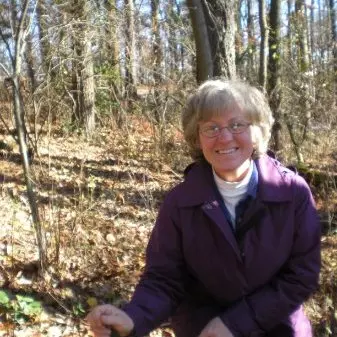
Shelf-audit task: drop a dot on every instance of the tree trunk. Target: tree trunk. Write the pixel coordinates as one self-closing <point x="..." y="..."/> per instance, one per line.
<point x="302" y="36"/>
<point x="274" y="79"/>
<point x="156" y="59"/>
<point x="290" y="30"/>
<point x="130" y="66"/>
<point x="213" y="24"/>
<point x="31" y="63"/>
<point x="251" y="47"/>
<point x="76" y="83"/>
<point x="41" y="13"/>
<point x="332" y="10"/>
<point x="87" y="75"/>
<point x="20" y="46"/>
<point x="239" y="38"/>
<point x="204" y="61"/>
<point x="110" y="40"/>
<point x="298" y="131"/>
<point x="111" y="50"/>
<point x="173" y="29"/>
<point x="156" y="43"/>
<point x="83" y="86"/>
<point x="310" y="29"/>
<point x="263" y="44"/>
<point x="220" y="19"/>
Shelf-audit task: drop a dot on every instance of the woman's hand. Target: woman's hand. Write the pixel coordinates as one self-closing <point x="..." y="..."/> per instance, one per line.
<point x="105" y="317"/>
<point x="215" y="328"/>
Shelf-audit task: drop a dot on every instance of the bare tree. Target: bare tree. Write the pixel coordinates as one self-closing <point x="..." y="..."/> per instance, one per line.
<point x="274" y="78"/>
<point x="173" y="28"/>
<point x="251" y="46"/>
<point x="41" y="21"/>
<point x="290" y="27"/>
<point x="263" y="44"/>
<point x="130" y="66"/>
<point x="110" y="37"/>
<point x="302" y="36"/>
<point x="156" y="42"/>
<point x="220" y="19"/>
<point x="21" y="24"/>
<point x="83" y="87"/>
<point x="213" y="23"/>
<point x="87" y="74"/>
<point x="333" y="18"/>
<point x="298" y="125"/>
<point x="156" y="56"/>
<point x="204" y="60"/>
<point x="240" y="50"/>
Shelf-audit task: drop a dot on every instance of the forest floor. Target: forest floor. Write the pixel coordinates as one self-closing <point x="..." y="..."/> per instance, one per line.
<point x="98" y="201"/>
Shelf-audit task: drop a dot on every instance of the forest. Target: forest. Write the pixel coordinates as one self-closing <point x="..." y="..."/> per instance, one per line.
<point x="91" y="93"/>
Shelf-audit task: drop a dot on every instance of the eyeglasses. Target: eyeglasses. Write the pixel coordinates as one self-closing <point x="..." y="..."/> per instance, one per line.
<point x="212" y="131"/>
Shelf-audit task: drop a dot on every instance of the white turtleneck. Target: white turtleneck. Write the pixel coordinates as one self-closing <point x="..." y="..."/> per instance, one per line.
<point x="233" y="192"/>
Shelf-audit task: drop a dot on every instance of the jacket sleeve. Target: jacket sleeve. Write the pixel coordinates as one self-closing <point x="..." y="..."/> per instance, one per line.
<point x="162" y="286"/>
<point x="262" y="310"/>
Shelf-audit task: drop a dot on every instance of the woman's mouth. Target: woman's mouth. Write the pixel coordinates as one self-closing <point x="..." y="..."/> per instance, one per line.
<point x="229" y="151"/>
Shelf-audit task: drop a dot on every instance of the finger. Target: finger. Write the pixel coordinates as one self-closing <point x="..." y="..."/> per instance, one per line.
<point x="105" y="334"/>
<point x="110" y="320"/>
<point x="94" y="317"/>
<point x="101" y="332"/>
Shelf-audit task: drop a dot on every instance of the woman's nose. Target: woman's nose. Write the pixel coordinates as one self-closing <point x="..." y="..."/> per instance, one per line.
<point x="225" y="134"/>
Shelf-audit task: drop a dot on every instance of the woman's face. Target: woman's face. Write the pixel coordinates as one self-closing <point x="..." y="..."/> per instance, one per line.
<point x="228" y="153"/>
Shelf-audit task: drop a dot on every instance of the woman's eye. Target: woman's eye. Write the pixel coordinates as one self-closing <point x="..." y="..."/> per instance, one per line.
<point x="237" y="125"/>
<point x="212" y="128"/>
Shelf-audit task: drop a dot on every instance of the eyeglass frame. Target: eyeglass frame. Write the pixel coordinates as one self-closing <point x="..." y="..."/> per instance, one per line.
<point x="228" y="127"/>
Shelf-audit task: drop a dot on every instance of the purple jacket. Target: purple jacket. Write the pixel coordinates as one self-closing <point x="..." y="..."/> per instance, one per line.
<point x="197" y="268"/>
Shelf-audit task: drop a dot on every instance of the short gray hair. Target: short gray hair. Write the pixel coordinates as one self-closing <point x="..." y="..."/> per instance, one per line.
<point x="215" y="97"/>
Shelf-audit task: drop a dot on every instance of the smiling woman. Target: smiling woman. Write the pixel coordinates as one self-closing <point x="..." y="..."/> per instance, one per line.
<point x="235" y="250"/>
<point x="217" y="98"/>
<point x="229" y="153"/>
<point x="220" y="106"/>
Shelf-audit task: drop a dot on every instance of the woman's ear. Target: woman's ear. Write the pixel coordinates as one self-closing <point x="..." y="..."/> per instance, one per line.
<point x="256" y="135"/>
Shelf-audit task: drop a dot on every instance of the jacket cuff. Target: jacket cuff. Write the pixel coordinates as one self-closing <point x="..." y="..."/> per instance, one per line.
<point x="137" y="317"/>
<point x="239" y="320"/>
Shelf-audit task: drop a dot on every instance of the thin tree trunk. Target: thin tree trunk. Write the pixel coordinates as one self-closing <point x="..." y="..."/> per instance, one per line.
<point x="333" y="18"/>
<point x="239" y="50"/>
<point x="302" y="39"/>
<point x="290" y="30"/>
<point x="87" y="75"/>
<point x="173" y="30"/>
<point x="20" y="37"/>
<point x="263" y="44"/>
<point x="130" y="68"/>
<point x="157" y="58"/>
<point x="251" y="43"/>
<point x="156" y="42"/>
<point x="310" y="30"/>
<point x="274" y="78"/>
<point x="111" y="45"/>
<point x="31" y="63"/>
<point x="76" y="83"/>
<point x="204" y="62"/>
<point x="41" y="14"/>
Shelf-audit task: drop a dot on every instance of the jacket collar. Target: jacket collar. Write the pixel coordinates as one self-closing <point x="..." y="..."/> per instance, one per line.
<point x="273" y="183"/>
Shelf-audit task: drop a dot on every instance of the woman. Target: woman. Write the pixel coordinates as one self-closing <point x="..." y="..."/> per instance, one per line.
<point x="235" y="250"/>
